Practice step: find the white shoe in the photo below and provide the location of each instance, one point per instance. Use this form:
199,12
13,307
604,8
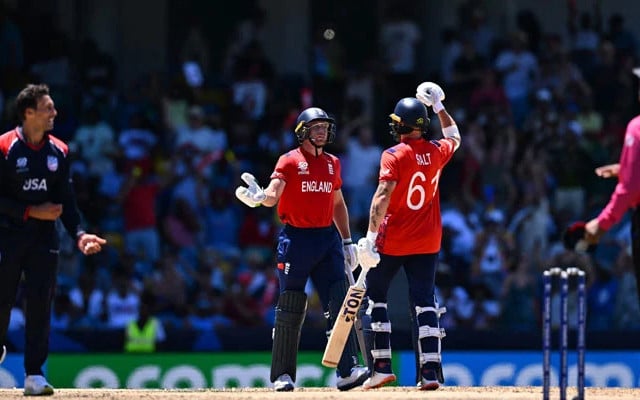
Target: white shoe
37,385
358,376
283,383
378,379
4,354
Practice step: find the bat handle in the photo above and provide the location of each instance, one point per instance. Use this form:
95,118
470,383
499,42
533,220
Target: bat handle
361,279
360,283
347,270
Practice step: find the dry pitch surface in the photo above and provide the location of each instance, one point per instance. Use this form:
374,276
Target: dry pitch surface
391,393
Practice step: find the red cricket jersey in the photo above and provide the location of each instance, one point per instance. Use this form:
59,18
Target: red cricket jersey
307,199
412,224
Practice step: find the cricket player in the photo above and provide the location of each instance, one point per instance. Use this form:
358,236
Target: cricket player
405,230
626,195
314,242
35,191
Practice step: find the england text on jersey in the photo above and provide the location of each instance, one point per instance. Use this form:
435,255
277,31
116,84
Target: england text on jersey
317,186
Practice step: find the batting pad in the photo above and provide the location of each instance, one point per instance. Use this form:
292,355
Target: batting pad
290,313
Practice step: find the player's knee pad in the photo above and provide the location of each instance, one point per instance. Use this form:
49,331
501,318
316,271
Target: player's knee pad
349,357
429,334
290,313
378,330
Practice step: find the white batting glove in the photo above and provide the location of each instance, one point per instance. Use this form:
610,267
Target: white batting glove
367,254
431,95
253,195
350,254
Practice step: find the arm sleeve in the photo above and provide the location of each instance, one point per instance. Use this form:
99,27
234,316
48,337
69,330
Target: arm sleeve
388,167
627,192
71,217
338,173
280,170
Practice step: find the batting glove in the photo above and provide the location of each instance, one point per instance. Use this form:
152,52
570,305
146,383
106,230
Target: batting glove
367,254
253,195
350,253
431,95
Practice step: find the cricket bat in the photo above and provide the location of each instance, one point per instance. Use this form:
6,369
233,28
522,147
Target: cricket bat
357,324
344,322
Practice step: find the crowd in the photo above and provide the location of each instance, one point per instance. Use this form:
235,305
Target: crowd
155,165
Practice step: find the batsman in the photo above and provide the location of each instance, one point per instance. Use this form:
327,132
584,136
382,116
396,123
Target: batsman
405,231
314,243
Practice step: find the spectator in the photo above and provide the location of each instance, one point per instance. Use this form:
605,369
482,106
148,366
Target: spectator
198,135
585,38
492,253
207,312
601,300
519,68
137,196
97,70
63,314
468,70
89,300
94,142
360,175
624,41
145,333
400,38
474,25
137,141
123,300
518,297
168,287
181,227
258,230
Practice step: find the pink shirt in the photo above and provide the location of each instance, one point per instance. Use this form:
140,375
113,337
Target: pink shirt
627,193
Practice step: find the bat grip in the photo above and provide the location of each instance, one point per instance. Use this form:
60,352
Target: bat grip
361,279
347,270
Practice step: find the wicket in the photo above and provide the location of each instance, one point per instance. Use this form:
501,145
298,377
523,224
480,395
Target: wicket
564,276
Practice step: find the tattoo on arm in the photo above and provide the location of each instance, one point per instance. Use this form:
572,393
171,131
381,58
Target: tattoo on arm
377,211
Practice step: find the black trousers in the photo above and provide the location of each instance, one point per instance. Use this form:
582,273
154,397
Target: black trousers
33,251
635,245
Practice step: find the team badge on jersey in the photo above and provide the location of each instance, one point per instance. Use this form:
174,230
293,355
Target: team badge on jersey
21,162
52,163
330,168
303,168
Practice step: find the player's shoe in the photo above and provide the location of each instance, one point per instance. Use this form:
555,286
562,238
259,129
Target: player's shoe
283,383
3,354
378,379
37,385
356,378
428,380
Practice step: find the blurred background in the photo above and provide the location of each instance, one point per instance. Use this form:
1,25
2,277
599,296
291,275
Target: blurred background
165,102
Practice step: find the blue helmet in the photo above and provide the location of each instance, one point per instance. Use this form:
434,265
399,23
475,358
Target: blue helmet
408,115
313,114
